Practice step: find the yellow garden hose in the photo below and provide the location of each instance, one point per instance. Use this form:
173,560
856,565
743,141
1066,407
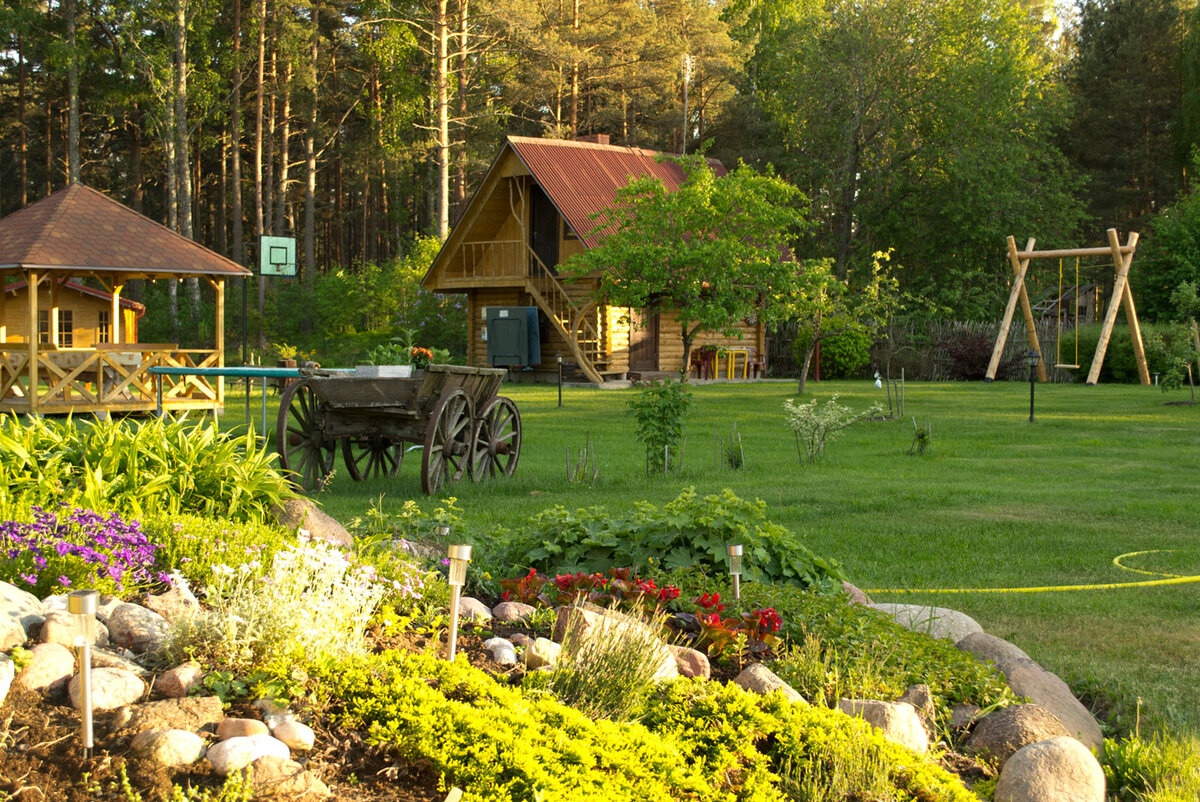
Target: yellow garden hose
1166,579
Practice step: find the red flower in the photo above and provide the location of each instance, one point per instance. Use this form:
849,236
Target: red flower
506,595
768,619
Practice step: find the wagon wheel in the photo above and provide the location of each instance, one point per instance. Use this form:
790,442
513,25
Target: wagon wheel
497,440
300,436
370,457
447,449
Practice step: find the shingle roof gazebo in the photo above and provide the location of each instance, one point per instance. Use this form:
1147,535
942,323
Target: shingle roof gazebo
77,234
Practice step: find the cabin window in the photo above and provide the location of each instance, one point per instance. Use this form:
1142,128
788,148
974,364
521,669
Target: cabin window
567,232
66,328
43,326
104,327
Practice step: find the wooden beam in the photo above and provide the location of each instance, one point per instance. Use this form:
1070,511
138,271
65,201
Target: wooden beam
1060,253
1135,331
1031,330
1019,267
1110,315
114,314
3,309
219,286
54,313
31,306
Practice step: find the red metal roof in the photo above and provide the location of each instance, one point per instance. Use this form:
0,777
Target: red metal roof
582,178
78,228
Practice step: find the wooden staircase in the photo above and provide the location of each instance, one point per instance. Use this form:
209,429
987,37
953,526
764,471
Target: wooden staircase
573,323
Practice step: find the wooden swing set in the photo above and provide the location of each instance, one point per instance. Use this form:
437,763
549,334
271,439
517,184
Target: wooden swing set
1122,256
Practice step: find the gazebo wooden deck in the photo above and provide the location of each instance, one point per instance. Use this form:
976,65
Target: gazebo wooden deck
78,234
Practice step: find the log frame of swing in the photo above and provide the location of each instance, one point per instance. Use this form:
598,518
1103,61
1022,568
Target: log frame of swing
1122,294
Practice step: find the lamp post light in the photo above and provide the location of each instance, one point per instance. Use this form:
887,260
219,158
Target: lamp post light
559,358
1032,358
459,557
734,552
81,604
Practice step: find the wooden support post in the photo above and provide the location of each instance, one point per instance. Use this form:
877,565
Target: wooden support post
31,284
1031,325
54,312
114,314
219,286
3,309
1110,315
1019,266
1135,331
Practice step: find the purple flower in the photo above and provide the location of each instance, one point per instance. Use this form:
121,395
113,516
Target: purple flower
30,578
64,581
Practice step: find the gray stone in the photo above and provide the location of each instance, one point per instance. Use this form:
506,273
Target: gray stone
987,647
301,513
104,658
1046,689
896,721
169,748
473,609
1056,770
238,753
8,670
59,627
964,715
937,622
111,688
20,612
757,678
856,595
299,737
106,605
513,611
178,681
587,622
543,652
520,639
194,714
691,663
502,651
134,627
55,603
176,604
241,728
49,669
282,778
1003,732
921,698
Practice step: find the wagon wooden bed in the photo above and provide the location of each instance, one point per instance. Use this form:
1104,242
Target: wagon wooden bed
451,411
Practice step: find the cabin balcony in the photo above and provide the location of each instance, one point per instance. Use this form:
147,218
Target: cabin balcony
112,377
492,263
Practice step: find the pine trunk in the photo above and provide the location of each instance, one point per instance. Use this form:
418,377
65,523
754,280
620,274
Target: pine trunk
72,98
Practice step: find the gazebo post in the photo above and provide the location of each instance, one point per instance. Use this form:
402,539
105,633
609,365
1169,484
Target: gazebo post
219,286
114,314
3,308
31,284
54,337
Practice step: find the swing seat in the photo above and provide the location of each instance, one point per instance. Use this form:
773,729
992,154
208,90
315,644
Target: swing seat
1066,366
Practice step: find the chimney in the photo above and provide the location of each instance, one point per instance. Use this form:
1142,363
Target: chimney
595,139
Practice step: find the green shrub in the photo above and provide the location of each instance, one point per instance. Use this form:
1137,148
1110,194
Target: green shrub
1165,346
843,355
660,409
689,531
192,545
814,426
138,468
696,740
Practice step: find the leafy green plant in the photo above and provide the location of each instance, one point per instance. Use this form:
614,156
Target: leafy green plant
226,686
609,671
690,530
193,545
396,351
1160,768
922,438
660,409
814,426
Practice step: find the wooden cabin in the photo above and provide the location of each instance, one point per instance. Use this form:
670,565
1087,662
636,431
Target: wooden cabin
84,315
533,211
79,247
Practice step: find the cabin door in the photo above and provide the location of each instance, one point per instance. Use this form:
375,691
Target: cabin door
543,229
643,341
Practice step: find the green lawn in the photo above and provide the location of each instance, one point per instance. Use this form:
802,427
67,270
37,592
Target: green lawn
997,503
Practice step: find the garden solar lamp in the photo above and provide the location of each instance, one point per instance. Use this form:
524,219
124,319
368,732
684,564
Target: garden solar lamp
81,604
1032,359
558,357
734,552
459,557
443,532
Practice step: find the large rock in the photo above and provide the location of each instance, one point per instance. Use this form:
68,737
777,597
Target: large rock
241,728
473,609
921,698
1056,770
282,778
176,604
1003,732
513,611
8,670
1043,688
103,658
691,662
501,650
238,753
59,627
169,748
299,737
111,688
20,612
542,652
586,623
302,513
136,628
194,714
897,721
177,682
937,622
757,678
987,647
49,669
855,595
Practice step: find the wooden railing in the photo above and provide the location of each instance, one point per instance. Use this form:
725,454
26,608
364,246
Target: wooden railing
110,378
494,259
581,327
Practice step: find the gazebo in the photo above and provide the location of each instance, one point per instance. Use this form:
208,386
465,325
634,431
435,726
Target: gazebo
80,237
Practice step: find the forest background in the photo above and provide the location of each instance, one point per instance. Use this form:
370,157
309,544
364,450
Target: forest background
932,127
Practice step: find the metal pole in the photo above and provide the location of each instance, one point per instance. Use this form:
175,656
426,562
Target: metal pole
737,587
85,681
264,407
249,383
1032,384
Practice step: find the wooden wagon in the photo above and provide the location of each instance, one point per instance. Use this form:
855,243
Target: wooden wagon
452,412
